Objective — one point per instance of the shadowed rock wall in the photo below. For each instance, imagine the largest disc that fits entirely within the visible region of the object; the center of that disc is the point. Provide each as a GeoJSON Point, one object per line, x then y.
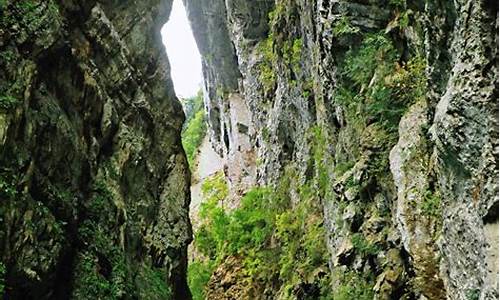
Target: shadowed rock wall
{"type": "Point", "coordinates": [94, 183]}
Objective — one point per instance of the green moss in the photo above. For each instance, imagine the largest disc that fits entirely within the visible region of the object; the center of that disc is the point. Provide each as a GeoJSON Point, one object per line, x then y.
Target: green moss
{"type": "Point", "coordinates": [473, 294]}
{"type": "Point", "coordinates": [362, 246]}
{"type": "Point", "coordinates": [354, 286]}
{"type": "Point", "coordinates": [30, 14]}
{"type": "Point", "coordinates": [292, 53]}
{"type": "Point", "coordinates": [8, 188]}
{"type": "Point", "coordinates": [8, 102]}
{"type": "Point", "coordinates": [342, 167]}
{"type": "Point", "coordinates": [319, 149]}
{"type": "Point", "coordinates": [431, 204]}
{"type": "Point", "coordinates": [267, 75]}
{"type": "Point", "coordinates": [198, 276]}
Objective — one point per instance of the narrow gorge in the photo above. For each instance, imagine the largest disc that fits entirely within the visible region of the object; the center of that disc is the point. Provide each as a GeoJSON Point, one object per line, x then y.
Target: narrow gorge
{"type": "Point", "coordinates": [339, 150]}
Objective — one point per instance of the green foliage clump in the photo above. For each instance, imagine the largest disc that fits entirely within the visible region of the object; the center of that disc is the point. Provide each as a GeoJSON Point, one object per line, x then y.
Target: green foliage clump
{"type": "Point", "coordinates": [301, 235]}
{"type": "Point", "coordinates": [342, 167]}
{"type": "Point", "coordinates": [354, 286]}
{"type": "Point", "coordinates": [375, 52]}
{"type": "Point", "coordinates": [267, 75]}
{"type": "Point", "coordinates": [277, 242]}
{"type": "Point", "coordinates": [8, 188]}
{"type": "Point", "coordinates": [195, 128]}
{"type": "Point", "coordinates": [292, 52]}
{"type": "Point", "coordinates": [431, 204]}
{"type": "Point", "coordinates": [7, 102]}
{"type": "Point", "coordinates": [376, 86]}
{"type": "Point", "coordinates": [344, 27]}
{"type": "Point", "coordinates": [102, 274]}
{"type": "Point", "coordinates": [362, 246]}
{"type": "Point", "coordinates": [29, 14]}
{"type": "Point", "coordinates": [199, 273]}
{"type": "Point", "coordinates": [192, 105]}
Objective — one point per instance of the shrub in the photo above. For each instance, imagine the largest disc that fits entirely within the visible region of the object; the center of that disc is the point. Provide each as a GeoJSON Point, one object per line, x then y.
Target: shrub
{"type": "Point", "coordinates": [344, 27]}
{"type": "Point", "coordinates": [193, 135]}
{"type": "Point", "coordinates": [7, 102]}
{"type": "Point", "coordinates": [278, 243]}
{"type": "Point", "coordinates": [191, 106]}
{"type": "Point", "coordinates": [198, 276]}
{"type": "Point", "coordinates": [362, 246]}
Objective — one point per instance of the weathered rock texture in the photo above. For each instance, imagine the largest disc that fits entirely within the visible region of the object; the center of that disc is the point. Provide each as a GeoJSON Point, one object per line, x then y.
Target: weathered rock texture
{"type": "Point", "coordinates": [94, 184]}
{"type": "Point", "coordinates": [405, 94]}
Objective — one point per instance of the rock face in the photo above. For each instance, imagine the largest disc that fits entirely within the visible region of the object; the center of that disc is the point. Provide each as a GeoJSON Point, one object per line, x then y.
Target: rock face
{"type": "Point", "coordinates": [405, 94]}
{"type": "Point", "coordinates": [94, 183]}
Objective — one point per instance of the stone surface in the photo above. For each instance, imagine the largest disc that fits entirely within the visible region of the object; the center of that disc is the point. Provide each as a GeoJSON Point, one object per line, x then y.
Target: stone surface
{"type": "Point", "coordinates": [94, 181]}
{"type": "Point", "coordinates": [431, 206]}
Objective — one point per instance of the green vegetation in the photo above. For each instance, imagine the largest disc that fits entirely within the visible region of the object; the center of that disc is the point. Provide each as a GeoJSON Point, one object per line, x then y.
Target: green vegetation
{"type": "Point", "coordinates": [7, 186]}
{"type": "Point", "coordinates": [195, 128]}
{"type": "Point", "coordinates": [387, 88]}
{"type": "Point", "coordinates": [277, 242]}
{"type": "Point", "coordinates": [344, 27]}
{"type": "Point", "coordinates": [270, 50]}
{"type": "Point", "coordinates": [291, 53]}
{"type": "Point", "coordinates": [2, 278]}
{"type": "Point", "coordinates": [152, 285]}
{"type": "Point", "coordinates": [354, 286]}
{"type": "Point", "coordinates": [30, 14]}
{"type": "Point", "coordinates": [267, 74]}
{"type": "Point", "coordinates": [473, 294]}
{"type": "Point", "coordinates": [192, 105]}
{"type": "Point", "coordinates": [374, 91]}
{"type": "Point", "coordinates": [431, 204]}
{"type": "Point", "coordinates": [198, 276]}
{"type": "Point", "coordinates": [7, 102]}
{"type": "Point", "coordinates": [362, 246]}
{"type": "Point", "coordinates": [280, 47]}
{"type": "Point", "coordinates": [101, 268]}
{"type": "Point", "coordinates": [342, 167]}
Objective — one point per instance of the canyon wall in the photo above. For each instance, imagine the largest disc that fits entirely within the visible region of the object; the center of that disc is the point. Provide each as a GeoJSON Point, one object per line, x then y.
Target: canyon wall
{"type": "Point", "coordinates": [94, 183]}
{"type": "Point", "coordinates": [389, 107]}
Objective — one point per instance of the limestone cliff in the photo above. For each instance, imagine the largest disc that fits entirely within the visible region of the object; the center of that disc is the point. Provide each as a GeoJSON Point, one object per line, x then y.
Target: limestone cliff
{"type": "Point", "coordinates": [390, 108]}
{"type": "Point", "coordinates": [94, 182]}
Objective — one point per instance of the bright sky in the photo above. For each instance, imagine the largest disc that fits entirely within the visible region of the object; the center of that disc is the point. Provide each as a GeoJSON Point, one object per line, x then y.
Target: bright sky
{"type": "Point", "coordinates": [185, 60]}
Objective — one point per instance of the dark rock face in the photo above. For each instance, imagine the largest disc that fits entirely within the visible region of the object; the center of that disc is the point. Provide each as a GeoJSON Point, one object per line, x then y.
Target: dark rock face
{"type": "Point", "coordinates": [421, 183]}
{"type": "Point", "coordinates": [93, 178]}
